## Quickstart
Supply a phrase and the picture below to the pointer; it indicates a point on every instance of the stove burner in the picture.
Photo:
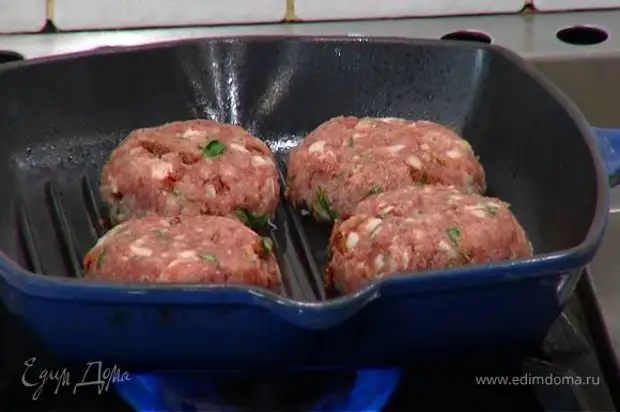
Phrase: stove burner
(368, 390)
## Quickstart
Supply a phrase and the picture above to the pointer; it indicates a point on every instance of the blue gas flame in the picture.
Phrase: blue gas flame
(370, 392)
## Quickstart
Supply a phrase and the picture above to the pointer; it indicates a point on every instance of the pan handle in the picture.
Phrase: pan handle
(609, 145)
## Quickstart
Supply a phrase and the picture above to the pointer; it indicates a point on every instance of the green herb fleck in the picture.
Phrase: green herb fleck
(375, 190)
(266, 245)
(454, 233)
(351, 142)
(159, 234)
(176, 192)
(492, 209)
(325, 205)
(340, 176)
(250, 219)
(211, 259)
(213, 149)
(101, 257)
(421, 181)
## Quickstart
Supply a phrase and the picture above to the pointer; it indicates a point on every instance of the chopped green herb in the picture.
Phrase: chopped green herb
(492, 209)
(211, 259)
(351, 142)
(159, 234)
(421, 181)
(325, 205)
(213, 149)
(176, 192)
(375, 190)
(340, 176)
(250, 219)
(101, 257)
(453, 234)
(266, 245)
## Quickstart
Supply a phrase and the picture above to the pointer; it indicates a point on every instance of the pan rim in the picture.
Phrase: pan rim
(551, 263)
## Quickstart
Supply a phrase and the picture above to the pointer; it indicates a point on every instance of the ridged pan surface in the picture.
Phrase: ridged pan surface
(60, 118)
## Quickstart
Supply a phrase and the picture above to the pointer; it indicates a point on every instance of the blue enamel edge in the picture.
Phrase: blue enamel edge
(609, 145)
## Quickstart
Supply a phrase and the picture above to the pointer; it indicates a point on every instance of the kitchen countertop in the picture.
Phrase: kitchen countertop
(531, 35)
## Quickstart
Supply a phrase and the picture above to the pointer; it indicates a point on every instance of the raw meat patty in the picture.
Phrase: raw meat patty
(346, 159)
(190, 168)
(183, 249)
(421, 228)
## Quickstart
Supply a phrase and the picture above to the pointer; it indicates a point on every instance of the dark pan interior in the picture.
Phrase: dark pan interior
(60, 119)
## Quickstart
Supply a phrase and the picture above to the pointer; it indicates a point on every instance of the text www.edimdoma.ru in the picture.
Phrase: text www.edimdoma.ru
(528, 380)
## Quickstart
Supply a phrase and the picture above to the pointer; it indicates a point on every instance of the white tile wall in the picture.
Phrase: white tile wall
(553, 5)
(363, 9)
(21, 16)
(103, 14)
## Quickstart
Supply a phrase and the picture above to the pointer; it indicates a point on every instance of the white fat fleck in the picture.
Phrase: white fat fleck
(161, 170)
(259, 161)
(392, 120)
(414, 162)
(175, 262)
(379, 262)
(352, 240)
(454, 154)
(140, 251)
(186, 254)
(191, 133)
(271, 186)
(165, 255)
(210, 190)
(468, 180)
(394, 266)
(396, 148)
(238, 147)
(317, 146)
(364, 124)
(479, 213)
(427, 189)
(418, 234)
(405, 259)
(356, 135)
(113, 185)
(465, 144)
(140, 241)
(456, 198)
(443, 245)
(179, 237)
(424, 147)
(387, 210)
(493, 204)
(373, 224)
(375, 233)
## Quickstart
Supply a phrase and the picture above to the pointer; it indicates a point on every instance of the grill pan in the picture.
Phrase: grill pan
(61, 117)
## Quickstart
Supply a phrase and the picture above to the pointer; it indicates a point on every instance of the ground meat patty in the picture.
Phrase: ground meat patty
(346, 159)
(190, 168)
(421, 228)
(193, 249)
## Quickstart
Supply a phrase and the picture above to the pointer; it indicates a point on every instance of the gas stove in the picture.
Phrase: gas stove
(563, 376)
